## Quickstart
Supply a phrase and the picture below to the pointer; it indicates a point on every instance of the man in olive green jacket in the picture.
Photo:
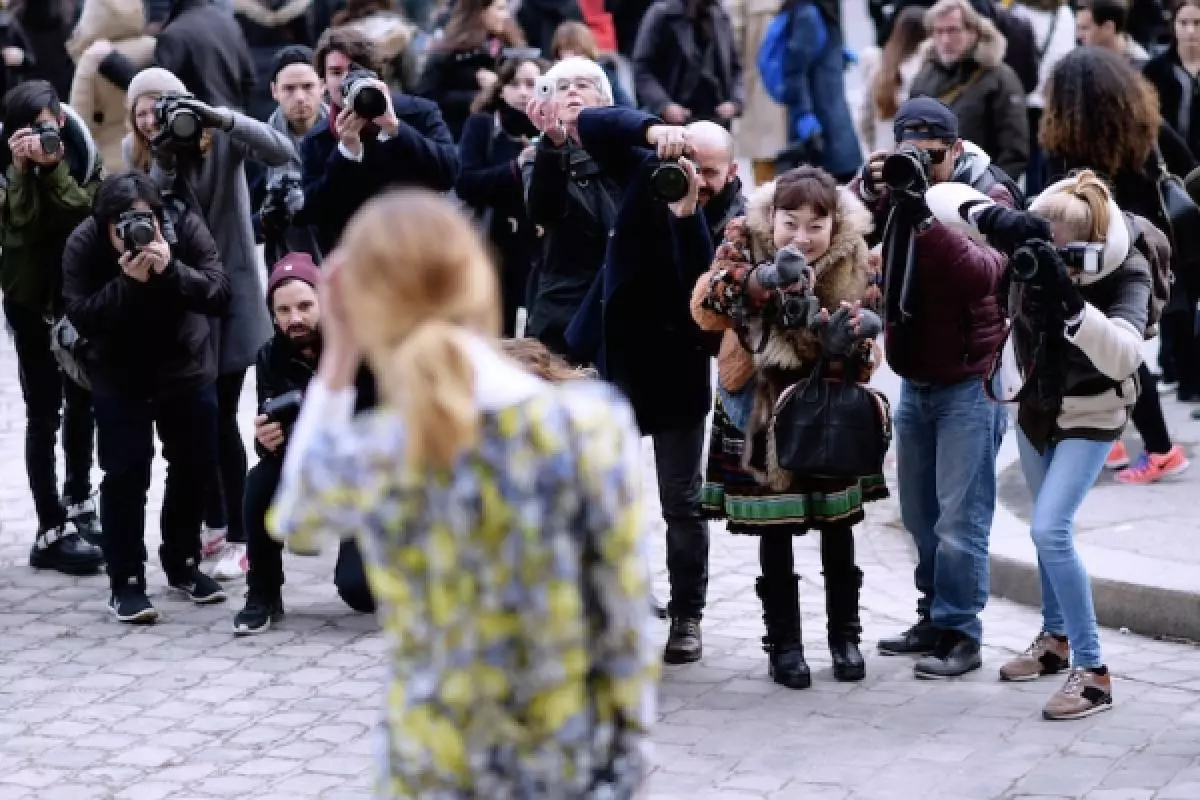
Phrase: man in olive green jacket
(52, 171)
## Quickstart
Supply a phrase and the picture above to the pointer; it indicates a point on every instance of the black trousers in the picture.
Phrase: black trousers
(227, 485)
(266, 554)
(678, 456)
(1148, 414)
(186, 423)
(45, 390)
(1181, 347)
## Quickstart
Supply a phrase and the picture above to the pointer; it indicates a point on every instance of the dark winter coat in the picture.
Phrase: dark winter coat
(449, 80)
(539, 19)
(490, 182)
(48, 24)
(40, 209)
(268, 26)
(422, 153)
(636, 324)
(956, 315)
(1178, 98)
(667, 66)
(203, 46)
(152, 339)
(574, 201)
(987, 97)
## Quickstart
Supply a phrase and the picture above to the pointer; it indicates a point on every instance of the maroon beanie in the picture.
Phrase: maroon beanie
(294, 266)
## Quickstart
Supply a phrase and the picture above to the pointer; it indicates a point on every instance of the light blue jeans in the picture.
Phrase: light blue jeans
(947, 438)
(1059, 479)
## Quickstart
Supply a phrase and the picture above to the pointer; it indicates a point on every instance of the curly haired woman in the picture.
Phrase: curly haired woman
(746, 485)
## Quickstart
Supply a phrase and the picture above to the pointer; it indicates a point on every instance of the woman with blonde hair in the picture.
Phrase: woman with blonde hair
(1077, 331)
(498, 516)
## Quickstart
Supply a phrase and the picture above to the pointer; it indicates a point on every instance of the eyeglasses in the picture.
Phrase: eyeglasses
(956, 30)
(578, 84)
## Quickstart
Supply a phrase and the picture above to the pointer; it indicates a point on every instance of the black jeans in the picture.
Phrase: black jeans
(777, 561)
(44, 388)
(266, 554)
(187, 425)
(679, 455)
(1148, 415)
(223, 496)
(1182, 349)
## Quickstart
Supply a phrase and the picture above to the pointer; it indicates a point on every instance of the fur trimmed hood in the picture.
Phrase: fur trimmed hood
(988, 51)
(258, 11)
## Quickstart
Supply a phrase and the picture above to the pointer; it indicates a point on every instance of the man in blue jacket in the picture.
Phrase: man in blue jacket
(347, 160)
(636, 327)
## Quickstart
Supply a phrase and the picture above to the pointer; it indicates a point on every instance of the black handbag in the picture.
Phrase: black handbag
(1183, 221)
(831, 428)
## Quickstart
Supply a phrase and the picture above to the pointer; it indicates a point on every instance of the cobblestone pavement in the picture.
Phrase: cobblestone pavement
(182, 710)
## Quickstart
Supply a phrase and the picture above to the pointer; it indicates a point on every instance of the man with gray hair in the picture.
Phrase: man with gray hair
(965, 71)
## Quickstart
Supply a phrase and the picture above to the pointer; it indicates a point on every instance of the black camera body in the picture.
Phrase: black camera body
(907, 170)
(177, 123)
(669, 182)
(362, 95)
(284, 409)
(1033, 262)
(49, 136)
(136, 229)
(284, 197)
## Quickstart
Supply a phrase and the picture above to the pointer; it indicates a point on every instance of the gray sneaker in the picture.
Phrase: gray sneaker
(1085, 693)
(1046, 656)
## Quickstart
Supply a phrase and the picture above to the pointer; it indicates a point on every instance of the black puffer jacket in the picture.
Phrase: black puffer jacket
(152, 339)
(571, 198)
(449, 79)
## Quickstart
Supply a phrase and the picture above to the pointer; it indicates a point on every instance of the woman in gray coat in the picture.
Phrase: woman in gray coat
(207, 175)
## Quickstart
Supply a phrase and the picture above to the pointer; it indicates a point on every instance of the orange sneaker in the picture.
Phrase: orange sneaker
(1118, 457)
(1151, 467)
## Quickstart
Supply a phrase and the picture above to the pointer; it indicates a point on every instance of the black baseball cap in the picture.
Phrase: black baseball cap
(292, 54)
(925, 118)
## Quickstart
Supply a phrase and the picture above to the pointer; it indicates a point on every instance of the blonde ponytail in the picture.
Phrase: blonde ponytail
(1092, 191)
(1081, 205)
(431, 380)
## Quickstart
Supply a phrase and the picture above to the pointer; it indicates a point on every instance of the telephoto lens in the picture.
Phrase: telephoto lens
(669, 182)
(907, 170)
(361, 94)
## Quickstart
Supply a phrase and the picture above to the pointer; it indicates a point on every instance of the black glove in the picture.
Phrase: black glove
(220, 118)
(914, 207)
(845, 328)
(1069, 296)
(1008, 229)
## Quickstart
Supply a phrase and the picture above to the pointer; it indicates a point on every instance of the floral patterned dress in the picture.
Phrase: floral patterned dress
(513, 590)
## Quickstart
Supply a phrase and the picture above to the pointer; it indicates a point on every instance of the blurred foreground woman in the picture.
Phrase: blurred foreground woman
(498, 515)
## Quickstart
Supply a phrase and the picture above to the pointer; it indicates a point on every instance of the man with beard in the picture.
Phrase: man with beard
(285, 366)
(720, 187)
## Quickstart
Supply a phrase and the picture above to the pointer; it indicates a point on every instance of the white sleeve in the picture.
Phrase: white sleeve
(1112, 345)
(346, 154)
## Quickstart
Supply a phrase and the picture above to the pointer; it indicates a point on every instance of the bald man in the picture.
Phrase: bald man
(720, 187)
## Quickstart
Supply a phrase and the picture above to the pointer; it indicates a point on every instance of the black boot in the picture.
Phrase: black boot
(841, 608)
(783, 645)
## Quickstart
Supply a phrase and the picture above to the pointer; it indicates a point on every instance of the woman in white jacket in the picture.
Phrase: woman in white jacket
(1053, 24)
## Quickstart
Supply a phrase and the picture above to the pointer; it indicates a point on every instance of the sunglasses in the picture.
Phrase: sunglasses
(938, 155)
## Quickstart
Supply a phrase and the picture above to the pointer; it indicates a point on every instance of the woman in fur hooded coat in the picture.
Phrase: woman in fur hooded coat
(745, 484)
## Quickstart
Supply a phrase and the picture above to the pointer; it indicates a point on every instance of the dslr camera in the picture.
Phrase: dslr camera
(362, 95)
(136, 229)
(793, 278)
(906, 171)
(49, 137)
(177, 123)
(669, 182)
(284, 409)
(284, 197)
(1033, 262)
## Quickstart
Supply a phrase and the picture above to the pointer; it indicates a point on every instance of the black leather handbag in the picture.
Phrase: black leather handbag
(1183, 223)
(831, 428)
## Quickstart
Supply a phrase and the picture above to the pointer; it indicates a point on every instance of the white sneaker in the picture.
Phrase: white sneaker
(212, 541)
(233, 563)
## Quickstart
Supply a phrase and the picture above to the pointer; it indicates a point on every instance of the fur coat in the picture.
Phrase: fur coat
(846, 273)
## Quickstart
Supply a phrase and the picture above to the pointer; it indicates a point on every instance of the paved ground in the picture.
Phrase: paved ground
(182, 710)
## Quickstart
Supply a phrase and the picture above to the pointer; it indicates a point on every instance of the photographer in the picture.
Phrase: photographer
(943, 320)
(636, 327)
(1079, 315)
(143, 304)
(285, 366)
(52, 172)
(804, 221)
(349, 158)
(298, 90)
(196, 154)
(569, 195)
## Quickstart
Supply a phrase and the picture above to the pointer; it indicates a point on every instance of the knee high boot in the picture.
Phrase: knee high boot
(783, 645)
(841, 606)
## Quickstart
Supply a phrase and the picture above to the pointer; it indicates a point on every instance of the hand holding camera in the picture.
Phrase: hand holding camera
(369, 99)
(209, 116)
(269, 434)
(40, 143)
(543, 113)
(276, 419)
(350, 126)
(1008, 229)
(686, 206)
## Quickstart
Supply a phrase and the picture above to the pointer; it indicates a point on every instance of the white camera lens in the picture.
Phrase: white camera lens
(544, 88)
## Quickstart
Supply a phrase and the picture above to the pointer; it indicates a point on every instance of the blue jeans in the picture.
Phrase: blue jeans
(1059, 479)
(947, 438)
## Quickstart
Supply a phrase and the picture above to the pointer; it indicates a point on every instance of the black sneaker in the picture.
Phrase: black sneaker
(683, 642)
(65, 552)
(956, 654)
(130, 604)
(262, 609)
(200, 588)
(919, 640)
(86, 521)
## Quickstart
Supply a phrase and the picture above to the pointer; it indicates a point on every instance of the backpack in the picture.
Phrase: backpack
(772, 55)
(1156, 248)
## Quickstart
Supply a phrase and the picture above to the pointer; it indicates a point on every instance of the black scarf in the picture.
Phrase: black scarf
(514, 122)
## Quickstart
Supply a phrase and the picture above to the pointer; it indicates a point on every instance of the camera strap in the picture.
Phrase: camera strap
(949, 97)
